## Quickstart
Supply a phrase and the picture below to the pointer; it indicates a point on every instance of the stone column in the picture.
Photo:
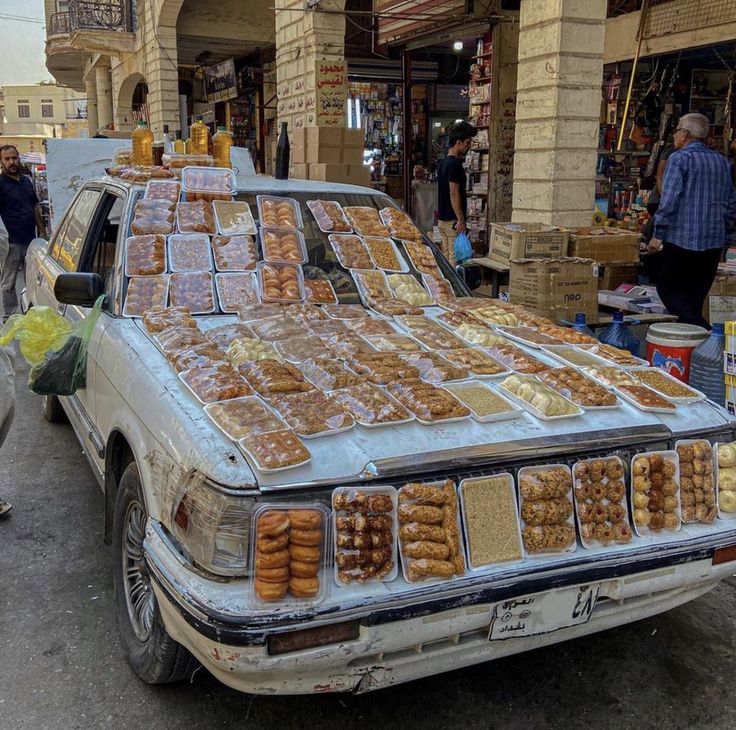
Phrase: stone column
(560, 73)
(162, 77)
(103, 81)
(93, 123)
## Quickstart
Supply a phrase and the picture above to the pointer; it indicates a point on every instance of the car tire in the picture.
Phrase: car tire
(53, 411)
(154, 656)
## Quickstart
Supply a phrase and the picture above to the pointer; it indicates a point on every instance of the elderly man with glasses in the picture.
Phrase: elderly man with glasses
(697, 211)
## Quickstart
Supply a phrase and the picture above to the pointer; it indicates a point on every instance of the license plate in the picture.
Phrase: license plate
(543, 612)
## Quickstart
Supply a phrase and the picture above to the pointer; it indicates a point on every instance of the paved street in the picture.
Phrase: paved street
(61, 664)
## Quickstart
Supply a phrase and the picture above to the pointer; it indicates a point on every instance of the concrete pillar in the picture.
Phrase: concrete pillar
(560, 72)
(103, 81)
(162, 77)
(93, 123)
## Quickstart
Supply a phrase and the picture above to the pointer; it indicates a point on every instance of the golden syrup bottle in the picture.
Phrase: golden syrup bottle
(221, 144)
(199, 137)
(142, 139)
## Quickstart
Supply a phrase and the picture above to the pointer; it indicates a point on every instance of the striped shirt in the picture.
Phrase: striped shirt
(698, 205)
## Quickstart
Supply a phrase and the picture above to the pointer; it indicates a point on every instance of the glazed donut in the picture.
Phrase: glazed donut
(305, 554)
(305, 519)
(272, 544)
(272, 560)
(303, 570)
(270, 591)
(305, 537)
(272, 523)
(303, 587)
(273, 575)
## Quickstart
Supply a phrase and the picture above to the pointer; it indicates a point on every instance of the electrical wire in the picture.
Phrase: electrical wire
(22, 19)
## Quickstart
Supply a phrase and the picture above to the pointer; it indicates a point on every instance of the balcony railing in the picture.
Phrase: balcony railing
(100, 15)
(60, 24)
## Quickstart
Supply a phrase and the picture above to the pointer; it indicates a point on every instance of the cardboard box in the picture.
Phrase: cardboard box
(300, 171)
(611, 276)
(350, 174)
(333, 145)
(555, 288)
(604, 245)
(720, 304)
(298, 142)
(526, 241)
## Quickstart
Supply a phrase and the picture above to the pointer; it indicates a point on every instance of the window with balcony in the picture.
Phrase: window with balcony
(24, 109)
(47, 108)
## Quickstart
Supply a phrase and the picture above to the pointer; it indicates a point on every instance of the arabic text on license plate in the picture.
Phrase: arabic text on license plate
(543, 612)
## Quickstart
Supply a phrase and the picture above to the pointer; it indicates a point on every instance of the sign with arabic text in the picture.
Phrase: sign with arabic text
(331, 84)
(220, 82)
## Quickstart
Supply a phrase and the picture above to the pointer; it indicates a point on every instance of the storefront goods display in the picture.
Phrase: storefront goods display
(539, 399)
(329, 216)
(726, 461)
(144, 293)
(366, 221)
(371, 406)
(234, 253)
(697, 481)
(546, 509)
(407, 288)
(600, 499)
(350, 252)
(201, 183)
(578, 388)
(491, 521)
(429, 531)
(152, 217)
(280, 282)
(655, 491)
(145, 255)
(195, 217)
(190, 252)
(236, 289)
(233, 218)
(275, 212)
(365, 534)
(289, 549)
(194, 290)
(284, 246)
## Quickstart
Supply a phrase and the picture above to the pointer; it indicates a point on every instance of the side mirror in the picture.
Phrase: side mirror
(471, 274)
(81, 290)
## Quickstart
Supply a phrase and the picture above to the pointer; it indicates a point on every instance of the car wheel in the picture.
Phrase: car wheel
(53, 411)
(154, 656)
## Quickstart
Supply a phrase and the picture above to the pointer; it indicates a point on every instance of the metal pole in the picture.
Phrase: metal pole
(406, 135)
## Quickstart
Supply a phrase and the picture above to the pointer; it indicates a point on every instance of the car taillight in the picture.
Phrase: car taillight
(724, 555)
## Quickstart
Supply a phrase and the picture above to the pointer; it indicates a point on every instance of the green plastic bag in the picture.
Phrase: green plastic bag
(56, 350)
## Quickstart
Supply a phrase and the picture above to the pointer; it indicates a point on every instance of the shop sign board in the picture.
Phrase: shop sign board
(331, 93)
(220, 81)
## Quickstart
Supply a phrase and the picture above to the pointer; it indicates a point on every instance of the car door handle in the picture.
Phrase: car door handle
(39, 276)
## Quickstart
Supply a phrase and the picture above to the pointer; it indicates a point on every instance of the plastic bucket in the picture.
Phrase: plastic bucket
(670, 346)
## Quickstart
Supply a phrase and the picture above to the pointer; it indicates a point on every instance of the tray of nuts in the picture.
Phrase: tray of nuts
(486, 404)
(666, 385)
(280, 282)
(145, 292)
(600, 500)
(385, 255)
(697, 481)
(193, 289)
(655, 492)
(364, 522)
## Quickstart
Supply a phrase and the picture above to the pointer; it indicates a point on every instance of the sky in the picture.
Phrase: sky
(23, 57)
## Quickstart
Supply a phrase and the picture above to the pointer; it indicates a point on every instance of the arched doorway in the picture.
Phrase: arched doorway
(132, 102)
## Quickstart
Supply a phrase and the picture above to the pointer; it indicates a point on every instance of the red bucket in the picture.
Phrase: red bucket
(670, 346)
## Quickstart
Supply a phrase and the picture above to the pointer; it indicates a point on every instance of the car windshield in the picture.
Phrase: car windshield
(323, 263)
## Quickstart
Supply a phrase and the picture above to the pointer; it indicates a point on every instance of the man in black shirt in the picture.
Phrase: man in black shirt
(451, 187)
(21, 215)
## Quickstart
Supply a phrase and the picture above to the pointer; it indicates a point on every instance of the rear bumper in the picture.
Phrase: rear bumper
(413, 639)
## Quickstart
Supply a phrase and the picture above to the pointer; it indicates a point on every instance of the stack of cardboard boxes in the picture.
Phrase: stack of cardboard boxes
(332, 154)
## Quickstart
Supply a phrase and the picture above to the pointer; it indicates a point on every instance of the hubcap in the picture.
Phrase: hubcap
(139, 595)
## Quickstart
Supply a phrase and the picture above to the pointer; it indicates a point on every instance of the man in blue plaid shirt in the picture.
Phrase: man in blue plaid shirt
(697, 212)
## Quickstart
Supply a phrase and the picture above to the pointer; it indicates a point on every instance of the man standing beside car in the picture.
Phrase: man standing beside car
(451, 187)
(21, 214)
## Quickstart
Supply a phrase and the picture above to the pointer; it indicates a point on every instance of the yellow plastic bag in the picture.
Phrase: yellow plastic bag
(39, 331)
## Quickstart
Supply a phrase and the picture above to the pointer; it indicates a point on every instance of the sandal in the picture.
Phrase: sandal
(5, 507)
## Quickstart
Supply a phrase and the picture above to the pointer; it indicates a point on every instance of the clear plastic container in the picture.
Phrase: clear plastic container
(278, 328)
(217, 183)
(393, 343)
(278, 212)
(222, 335)
(195, 217)
(213, 384)
(235, 253)
(496, 518)
(145, 255)
(249, 349)
(408, 289)
(350, 251)
(234, 218)
(190, 252)
(556, 537)
(644, 515)
(434, 368)
(177, 162)
(122, 156)
(236, 289)
(305, 538)
(194, 290)
(645, 399)
(329, 216)
(571, 355)
(667, 385)
(371, 406)
(346, 311)
(724, 468)
(280, 282)
(431, 542)
(275, 451)
(328, 373)
(152, 217)
(320, 291)
(242, 417)
(579, 388)
(257, 312)
(400, 225)
(298, 349)
(168, 190)
(698, 495)
(479, 362)
(385, 254)
(706, 366)
(366, 221)
(312, 414)
(283, 245)
(360, 549)
(144, 293)
(540, 389)
(501, 409)
(527, 336)
(429, 403)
